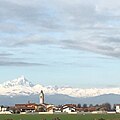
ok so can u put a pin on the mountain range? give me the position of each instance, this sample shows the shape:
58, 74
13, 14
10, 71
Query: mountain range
20, 90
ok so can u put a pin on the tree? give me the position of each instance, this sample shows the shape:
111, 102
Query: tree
84, 105
106, 106
79, 105
91, 105
114, 107
96, 105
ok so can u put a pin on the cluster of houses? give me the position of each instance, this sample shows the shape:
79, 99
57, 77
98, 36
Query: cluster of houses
44, 108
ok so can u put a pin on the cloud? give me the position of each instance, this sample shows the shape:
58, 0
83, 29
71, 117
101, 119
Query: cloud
5, 54
102, 45
35, 39
8, 59
20, 64
80, 25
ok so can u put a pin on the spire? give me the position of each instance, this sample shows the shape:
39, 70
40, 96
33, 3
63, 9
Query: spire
41, 97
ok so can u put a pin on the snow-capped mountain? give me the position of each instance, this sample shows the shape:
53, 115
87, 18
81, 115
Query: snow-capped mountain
21, 81
21, 86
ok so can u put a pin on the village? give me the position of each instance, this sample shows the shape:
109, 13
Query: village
44, 108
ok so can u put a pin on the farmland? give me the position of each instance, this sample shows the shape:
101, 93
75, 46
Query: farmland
61, 117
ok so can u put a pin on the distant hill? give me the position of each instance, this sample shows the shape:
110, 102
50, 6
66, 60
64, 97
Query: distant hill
60, 99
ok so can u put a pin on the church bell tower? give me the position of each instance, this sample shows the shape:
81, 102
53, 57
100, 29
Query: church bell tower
41, 97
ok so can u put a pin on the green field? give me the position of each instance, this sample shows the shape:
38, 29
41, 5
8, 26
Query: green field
62, 117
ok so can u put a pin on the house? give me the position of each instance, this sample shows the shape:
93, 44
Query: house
50, 107
69, 108
117, 108
41, 108
29, 107
33, 107
86, 109
2, 108
91, 109
58, 108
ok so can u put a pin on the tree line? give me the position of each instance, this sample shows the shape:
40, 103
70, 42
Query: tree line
105, 106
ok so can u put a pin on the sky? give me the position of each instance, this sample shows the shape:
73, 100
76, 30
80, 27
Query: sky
61, 42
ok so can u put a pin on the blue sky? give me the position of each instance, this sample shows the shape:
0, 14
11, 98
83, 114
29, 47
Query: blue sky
61, 42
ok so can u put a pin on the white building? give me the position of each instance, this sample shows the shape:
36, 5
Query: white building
3, 108
68, 108
117, 107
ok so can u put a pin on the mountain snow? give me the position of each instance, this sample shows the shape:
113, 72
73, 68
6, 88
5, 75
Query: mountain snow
21, 81
21, 86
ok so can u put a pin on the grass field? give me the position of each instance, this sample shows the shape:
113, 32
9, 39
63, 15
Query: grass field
62, 117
